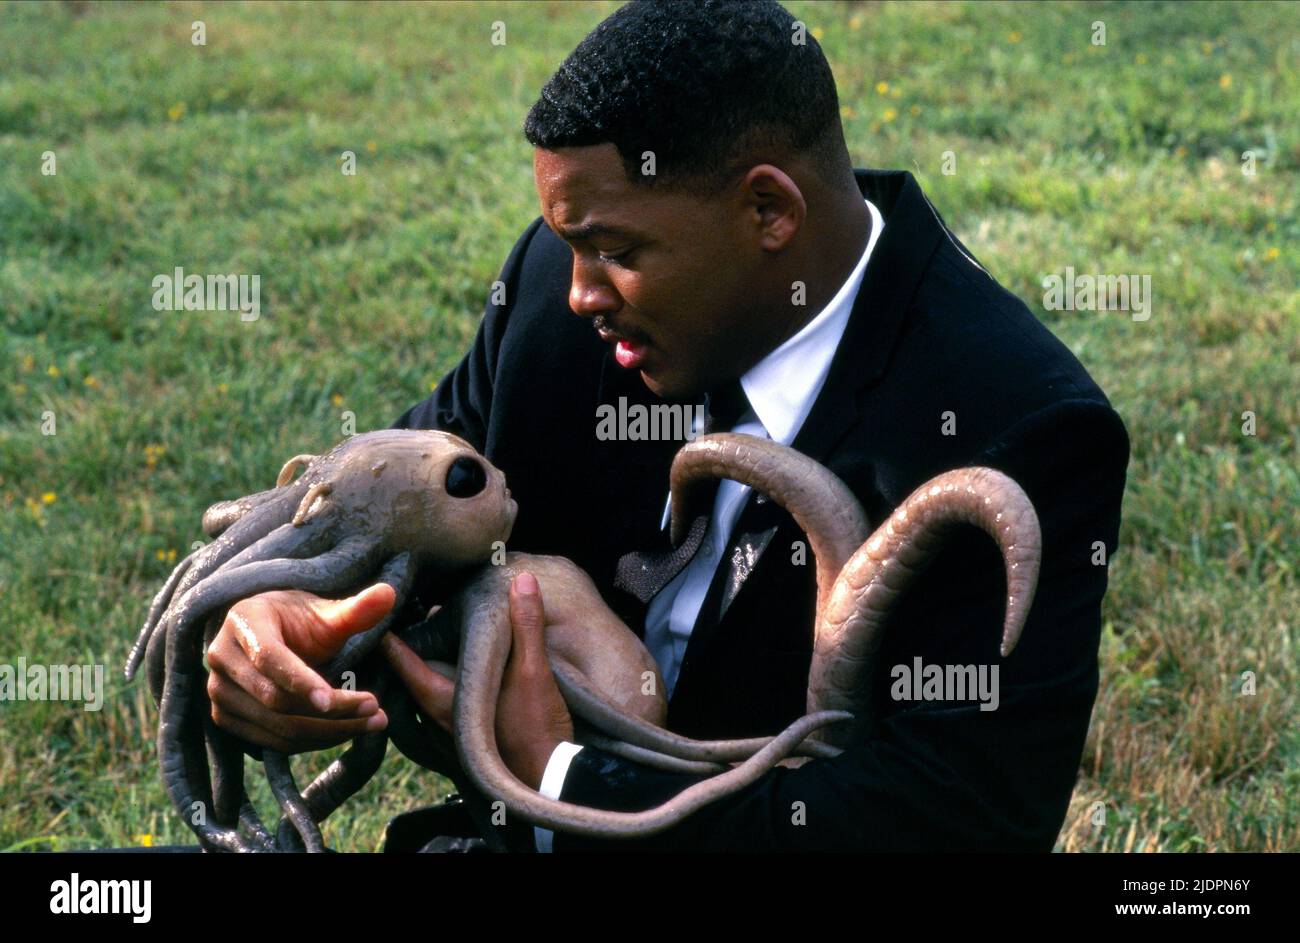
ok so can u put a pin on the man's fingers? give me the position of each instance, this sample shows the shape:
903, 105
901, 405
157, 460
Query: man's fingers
528, 624
229, 664
432, 691
346, 617
275, 660
233, 707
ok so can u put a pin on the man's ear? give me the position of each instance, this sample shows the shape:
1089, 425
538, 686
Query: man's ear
778, 205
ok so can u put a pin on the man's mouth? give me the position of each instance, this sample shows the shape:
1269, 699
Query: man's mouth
629, 352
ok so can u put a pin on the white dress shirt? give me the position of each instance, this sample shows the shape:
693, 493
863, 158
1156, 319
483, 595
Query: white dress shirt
781, 389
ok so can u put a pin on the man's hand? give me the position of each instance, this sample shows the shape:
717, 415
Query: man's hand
532, 718
262, 684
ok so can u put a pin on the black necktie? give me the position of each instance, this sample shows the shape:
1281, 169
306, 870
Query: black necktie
644, 574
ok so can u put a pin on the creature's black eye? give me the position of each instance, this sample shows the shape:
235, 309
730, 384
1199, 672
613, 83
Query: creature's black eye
465, 478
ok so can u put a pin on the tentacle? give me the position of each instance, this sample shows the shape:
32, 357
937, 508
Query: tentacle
820, 503
646, 757
284, 541
156, 609
851, 628
587, 703
291, 466
231, 805
280, 776
341, 567
345, 777
221, 515
306, 507
485, 645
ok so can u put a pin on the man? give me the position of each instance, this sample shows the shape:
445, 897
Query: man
699, 208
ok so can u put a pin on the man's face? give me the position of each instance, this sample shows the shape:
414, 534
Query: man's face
674, 276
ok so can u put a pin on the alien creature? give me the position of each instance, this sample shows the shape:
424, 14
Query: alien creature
398, 502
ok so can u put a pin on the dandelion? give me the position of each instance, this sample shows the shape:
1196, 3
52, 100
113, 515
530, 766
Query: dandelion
882, 88
91, 382
818, 33
337, 399
152, 453
914, 110
52, 370
222, 388
433, 386
1271, 253
846, 111
49, 497
1225, 81
29, 363
146, 840
371, 146
159, 555
890, 114
176, 111
171, 555
1015, 36
855, 22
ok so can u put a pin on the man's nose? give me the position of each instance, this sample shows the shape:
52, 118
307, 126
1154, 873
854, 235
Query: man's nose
590, 293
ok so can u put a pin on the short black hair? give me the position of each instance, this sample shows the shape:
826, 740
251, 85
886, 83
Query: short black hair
710, 87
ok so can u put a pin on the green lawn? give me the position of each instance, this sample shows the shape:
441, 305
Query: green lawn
1122, 158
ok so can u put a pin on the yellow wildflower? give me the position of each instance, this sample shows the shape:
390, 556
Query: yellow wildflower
882, 88
48, 497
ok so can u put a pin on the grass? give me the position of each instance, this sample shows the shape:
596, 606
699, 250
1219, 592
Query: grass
1122, 158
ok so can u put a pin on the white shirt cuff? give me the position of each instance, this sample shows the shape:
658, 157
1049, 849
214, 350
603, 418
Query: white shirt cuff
557, 767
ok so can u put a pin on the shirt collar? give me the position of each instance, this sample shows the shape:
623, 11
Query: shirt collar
782, 387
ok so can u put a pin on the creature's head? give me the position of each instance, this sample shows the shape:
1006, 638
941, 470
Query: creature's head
427, 492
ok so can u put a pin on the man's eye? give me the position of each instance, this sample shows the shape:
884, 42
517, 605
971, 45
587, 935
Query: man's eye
619, 258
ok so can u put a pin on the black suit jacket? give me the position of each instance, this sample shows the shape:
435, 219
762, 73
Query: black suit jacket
930, 333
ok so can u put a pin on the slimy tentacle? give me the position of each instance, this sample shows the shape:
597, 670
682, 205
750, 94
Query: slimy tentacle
586, 702
160, 603
851, 628
290, 467
333, 571
280, 775
220, 516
